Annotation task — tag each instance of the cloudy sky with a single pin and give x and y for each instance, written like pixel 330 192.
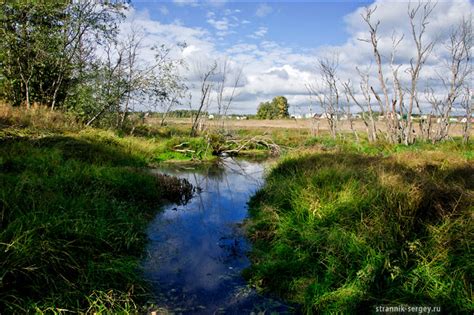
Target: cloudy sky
pixel 277 43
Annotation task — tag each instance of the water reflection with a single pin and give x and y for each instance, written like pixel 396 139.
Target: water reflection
pixel 197 251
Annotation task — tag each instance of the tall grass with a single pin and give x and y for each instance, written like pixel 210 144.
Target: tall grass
pixel 73 209
pixel 341 231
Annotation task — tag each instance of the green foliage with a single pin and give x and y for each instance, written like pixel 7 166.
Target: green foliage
pixel 73 212
pixel 276 109
pixel 340 232
pixel 44 46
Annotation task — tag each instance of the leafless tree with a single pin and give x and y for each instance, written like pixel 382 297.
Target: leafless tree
pixel 328 94
pixel 348 113
pixel 459 47
pixel 374 41
pixel 226 86
pixel 468 106
pixel 422 12
pixel 398 94
pixel 400 130
pixel 206 85
pixel 366 114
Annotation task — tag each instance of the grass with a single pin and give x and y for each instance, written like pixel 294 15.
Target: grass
pixel 339 230
pixel 338 227
pixel 74 205
pixel 73 214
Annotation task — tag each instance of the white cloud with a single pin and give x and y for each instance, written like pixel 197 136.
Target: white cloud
pixel 263 10
pixel 164 10
pixel 221 25
pixel 186 2
pixel 271 68
pixel 259 33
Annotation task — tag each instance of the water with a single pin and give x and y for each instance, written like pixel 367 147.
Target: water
pixel 197 251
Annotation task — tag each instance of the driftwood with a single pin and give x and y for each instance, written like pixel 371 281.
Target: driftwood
pixel 244 143
pixel 178 148
pixel 235 146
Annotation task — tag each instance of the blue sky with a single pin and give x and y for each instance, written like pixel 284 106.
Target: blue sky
pixel 295 24
pixel 277 44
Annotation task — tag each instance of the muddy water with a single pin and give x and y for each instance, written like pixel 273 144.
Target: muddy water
pixel 197 251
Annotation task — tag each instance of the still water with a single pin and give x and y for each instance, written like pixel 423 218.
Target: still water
pixel 197 251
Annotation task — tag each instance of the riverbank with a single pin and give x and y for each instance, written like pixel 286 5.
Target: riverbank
pixel 345 228
pixel 73 212
pixel 75 203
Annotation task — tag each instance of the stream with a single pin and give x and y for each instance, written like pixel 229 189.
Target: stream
pixel 197 251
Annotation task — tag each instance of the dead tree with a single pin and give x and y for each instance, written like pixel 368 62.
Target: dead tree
pixel 385 104
pixel 459 47
pixel 398 93
pixel 329 95
pixel 225 93
pixel 467 104
pixel 423 50
pixel 366 114
pixel 206 88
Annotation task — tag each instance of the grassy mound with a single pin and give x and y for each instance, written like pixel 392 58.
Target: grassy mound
pixel 342 232
pixel 73 210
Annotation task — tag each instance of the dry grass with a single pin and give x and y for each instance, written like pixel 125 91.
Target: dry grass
pixel 455 131
pixel 38 117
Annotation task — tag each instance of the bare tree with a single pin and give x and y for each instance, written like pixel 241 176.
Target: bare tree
pixel 385 104
pixel 206 88
pixel 398 94
pixel 467 104
pixel 459 47
pixel 367 115
pixel 423 50
pixel 328 94
pixel 348 113
pixel 225 89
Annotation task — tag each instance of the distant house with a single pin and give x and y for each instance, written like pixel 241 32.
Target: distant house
pixel 453 119
pixel 211 117
pixel 296 116
pixel 464 120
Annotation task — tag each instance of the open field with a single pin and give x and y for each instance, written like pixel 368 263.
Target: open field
pixel 320 125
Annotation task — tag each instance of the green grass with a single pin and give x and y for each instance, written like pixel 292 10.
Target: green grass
pixel 341 230
pixel 73 210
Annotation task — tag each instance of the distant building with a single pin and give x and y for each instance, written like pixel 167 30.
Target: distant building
pixel 325 116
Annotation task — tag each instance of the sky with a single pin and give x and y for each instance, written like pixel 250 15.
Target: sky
pixel 277 44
